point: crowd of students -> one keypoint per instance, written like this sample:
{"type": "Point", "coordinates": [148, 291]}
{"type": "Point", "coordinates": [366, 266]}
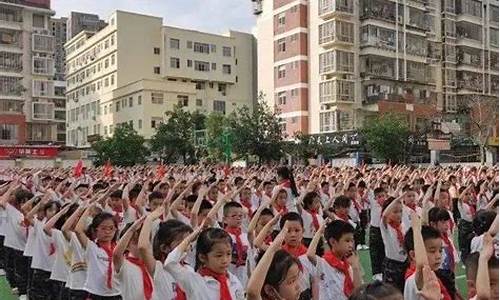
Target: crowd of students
{"type": "Point", "coordinates": [263, 232]}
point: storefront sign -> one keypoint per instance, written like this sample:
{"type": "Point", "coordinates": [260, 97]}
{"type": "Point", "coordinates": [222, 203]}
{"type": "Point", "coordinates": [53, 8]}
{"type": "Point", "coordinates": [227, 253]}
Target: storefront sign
{"type": "Point", "coordinates": [28, 151]}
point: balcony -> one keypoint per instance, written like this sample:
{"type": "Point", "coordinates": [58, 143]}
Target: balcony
{"type": "Point", "coordinates": [470, 81]}
{"type": "Point", "coordinates": [469, 31]}
{"type": "Point", "coordinates": [11, 39]}
{"type": "Point", "coordinates": [419, 72]}
{"type": "Point", "coordinates": [11, 86]}
{"type": "Point", "coordinates": [43, 66]}
{"type": "Point", "coordinates": [378, 67]}
{"type": "Point", "coordinates": [329, 8]}
{"type": "Point", "coordinates": [336, 61]}
{"type": "Point", "coordinates": [378, 37]}
{"type": "Point", "coordinates": [494, 85]}
{"type": "Point", "coordinates": [333, 91]}
{"type": "Point", "coordinates": [418, 19]}
{"type": "Point", "coordinates": [11, 106]}
{"type": "Point", "coordinates": [43, 111]}
{"type": "Point", "coordinates": [11, 18]}
{"type": "Point", "coordinates": [336, 32]}
{"type": "Point", "coordinates": [470, 57]}
{"type": "Point", "coordinates": [11, 62]}
{"type": "Point", "coordinates": [43, 88]}
{"type": "Point", "coordinates": [416, 45]}
{"type": "Point", "coordinates": [379, 9]}
{"type": "Point", "coordinates": [43, 43]}
{"type": "Point", "coordinates": [257, 7]}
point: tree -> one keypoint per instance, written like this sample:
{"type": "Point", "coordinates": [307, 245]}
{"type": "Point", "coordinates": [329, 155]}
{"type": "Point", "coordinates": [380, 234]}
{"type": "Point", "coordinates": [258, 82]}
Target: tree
{"type": "Point", "coordinates": [256, 133]}
{"type": "Point", "coordinates": [304, 148]}
{"type": "Point", "coordinates": [387, 137]}
{"type": "Point", "coordinates": [215, 124]}
{"type": "Point", "coordinates": [125, 148]}
{"type": "Point", "coordinates": [484, 120]}
{"type": "Point", "coordinates": [174, 139]}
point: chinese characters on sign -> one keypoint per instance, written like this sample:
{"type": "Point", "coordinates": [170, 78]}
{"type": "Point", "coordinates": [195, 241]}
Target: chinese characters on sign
{"type": "Point", "coordinates": [28, 151]}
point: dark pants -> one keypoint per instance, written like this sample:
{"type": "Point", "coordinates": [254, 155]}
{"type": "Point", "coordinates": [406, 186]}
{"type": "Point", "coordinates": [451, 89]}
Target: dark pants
{"type": "Point", "coordinates": [10, 271]}
{"type": "Point", "coordinates": [447, 277]}
{"type": "Point", "coordinates": [394, 273]}
{"type": "Point", "coordinates": [2, 251]}
{"type": "Point", "coordinates": [465, 235]}
{"type": "Point", "coordinates": [22, 270]}
{"type": "Point", "coordinates": [364, 218]}
{"type": "Point", "coordinates": [359, 235]}
{"type": "Point", "coordinates": [377, 250]}
{"type": "Point", "coordinates": [77, 295]}
{"type": "Point", "coordinates": [41, 286]}
{"type": "Point", "coordinates": [95, 297]}
{"type": "Point", "coordinates": [59, 291]}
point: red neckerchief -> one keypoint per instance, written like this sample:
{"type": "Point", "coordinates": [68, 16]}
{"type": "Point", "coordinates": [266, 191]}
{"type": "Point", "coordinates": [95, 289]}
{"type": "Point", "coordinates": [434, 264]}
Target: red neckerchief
{"type": "Point", "coordinates": [282, 210]}
{"type": "Point", "coordinates": [117, 211]}
{"type": "Point", "coordinates": [26, 224]}
{"type": "Point", "coordinates": [380, 201]}
{"type": "Point", "coordinates": [179, 293]}
{"type": "Point", "coordinates": [134, 206]}
{"type": "Point", "coordinates": [343, 267]}
{"type": "Point", "coordinates": [314, 215]}
{"type": "Point", "coordinates": [268, 240]}
{"type": "Point", "coordinates": [356, 205]}
{"type": "Point", "coordinates": [286, 183]}
{"type": "Point", "coordinates": [52, 249]}
{"type": "Point", "coordinates": [147, 283]}
{"type": "Point", "coordinates": [444, 292]}
{"type": "Point", "coordinates": [295, 252]}
{"type": "Point", "coordinates": [472, 209]}
{"type": "Point", "coordinates": [449, 249]}
{"type": "Point", "coordinates": [109, 252]}
{"type": "Point", "coordinates": [240, 248]}
{"type": "Point", "coordinates": [399, 231]}
{"type": "Point", "coordinates": [344, 217]}
{"type": "Point", "coordinates": [225, 294]}
{"type": "Point", "coordinates": [412, 206]}
{"type": "Point", "coordinates": [246, 203]}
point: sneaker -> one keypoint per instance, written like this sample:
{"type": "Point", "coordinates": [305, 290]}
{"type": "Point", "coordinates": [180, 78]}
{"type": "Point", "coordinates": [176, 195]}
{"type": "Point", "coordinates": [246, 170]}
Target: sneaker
{"type": "Point", "coordinates": [359, 247]}
{"type": "Point", "coordinates": [15, 291]}
{"type": "Point", "coordinates": [2, 272]}
{"type": "Point", "coordinates": [365, 247]}
{"type": "Point", "coordinates": [377, 277]}
{"type": "Point", "coordinates": [23, 297]}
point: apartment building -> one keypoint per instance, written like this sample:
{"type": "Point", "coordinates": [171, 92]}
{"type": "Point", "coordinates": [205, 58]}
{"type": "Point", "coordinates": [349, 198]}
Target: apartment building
{"type": "Point", "coordinates": [337, 62]}
{"type": "Point", "coordinates": [135, 69]}
{"type": "Point", "coordinates": [28, 102]}
{"type": "Point", "coordinates": [57, 28]}
{"type": "Point", "coordinates": [78, 22]}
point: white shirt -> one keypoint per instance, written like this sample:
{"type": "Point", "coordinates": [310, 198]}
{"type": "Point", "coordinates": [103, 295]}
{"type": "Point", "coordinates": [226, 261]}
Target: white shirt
{"type": "Point", "coordinates": [42, 259]}
{"type": "Point", "coordinates": [199, 287]}
{"type": "Point", "coordinates": [30, 241]}
{"type": "Point", "coordinates": [307, 218]}
{"type": "Point", "coordinates": [406, 218]}
{"type": "Point", "coordinates": [97, 270]}
{"type": "Point", "coordinates": [15, 233]}
{"type": "Point", "coordinates": [62, 262]}
{"type": "Point", "coordinates": [411, 290]}
{"type": "Point", "coordinates": [465, 212]}
{"type": "Point", "coordinates": [164, 284]}
{"type": "Point", "coordinates": [78, 269]}
{"type": "Point", "coordinates": [131, 281]}
{"type": "Point", "coordinates": [241, 272]}
{"type": "Point", "coordinates": [3, 222]}
{"type": "Point", "coordinates": [375, 210]}
{"type": "Point", "coordinates": [331, 280]}
{"type": "Point", "coordinates": [393, 249]}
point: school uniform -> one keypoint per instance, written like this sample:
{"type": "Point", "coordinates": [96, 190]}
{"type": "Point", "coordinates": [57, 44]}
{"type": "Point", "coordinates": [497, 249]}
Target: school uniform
{"type": "Point", "coordinates": [465, 229]}
{"type": "Point", "coordinates": [42, 263]}
{"type": "Point", "coordinates": [78, 269]}
{"type": "Point", "coordinates": [3, 223]}
{"type": "Point", "coordinates": [197, 286]}
{"type": "Point", "coordinates": [377, 247]}
{"type": "Point", "coordinates": [238, 266]}
{"type": "Point", "coordinates": [407, 212]}
{"type": "Point", "coordinates": [312, 221]}
{"type": "Point", "coordinates": [135, 281]}
{"type": "Point", "coordinates": [100, 282]}
{"type": "Point", "coordinates": [332, 281]}
{"type": "Point", "coordinates": [394, 264]}
{"type": "Point", "coordinates": [354, 214]}
{"type": "Point", "coordinates": [411, 291]}
{"type": "Point", "coordinates": [165, 286]}
{"type": "Point", "coordinates": [62, 262]}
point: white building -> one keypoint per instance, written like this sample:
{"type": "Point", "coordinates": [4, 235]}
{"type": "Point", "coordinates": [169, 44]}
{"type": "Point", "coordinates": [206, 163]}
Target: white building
{"type": "Point", "coordinates": [135, 69]}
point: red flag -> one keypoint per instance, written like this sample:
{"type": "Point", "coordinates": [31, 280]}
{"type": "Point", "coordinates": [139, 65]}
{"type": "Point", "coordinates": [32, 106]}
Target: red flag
{"type": "Point", "coordinates": [160, 171]}
{"type": "Point", "coordinates": [108, 169]}
{"type": "Point", "coordinates": [78, 169]}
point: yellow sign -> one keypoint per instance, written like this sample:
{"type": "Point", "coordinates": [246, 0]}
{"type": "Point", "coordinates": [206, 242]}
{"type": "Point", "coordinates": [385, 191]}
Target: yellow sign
{"type": "Point", "coordinates": [493, 141]}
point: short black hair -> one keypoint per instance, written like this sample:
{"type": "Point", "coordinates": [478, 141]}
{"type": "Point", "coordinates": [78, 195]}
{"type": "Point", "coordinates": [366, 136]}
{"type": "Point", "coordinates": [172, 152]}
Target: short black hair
{"type": "Point", "coordinates": [22, 196]}
{"type": "Point", "coordinates": [265, 212]}
{"type": "Point", "coordinates": [291, 216]}
{"type": "Point", "coordinates": [309, 199]}
{"type": "Point", "coordinates": [428, 233]}
{"type": "Point", "coordinates": [342, 202]}
{"type": "Point", "coordinates": [155, 195]}
{"type": "Point", "coordinates": [378, 190]}
{"type": "Point", "coordinates": [191, 198]}
{"type": "Point", "coordinates": [116, 194]}
{"type": "Point", "coordinates": [229, 205]}
{"type": "Point", "coordinates": [336, 229]}
{"type": "Point", "coordinates": [483, 220]}
{"type": "Point", "coordinates": [324, 183]}
{"type": "Point", "coordinates": [437, 214]}
{"type": "Point", "coordinates": [205, 204]}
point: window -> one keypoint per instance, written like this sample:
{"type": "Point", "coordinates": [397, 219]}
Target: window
{"type": "Point", "coordinates": [139, 100]}
{"type": "Point", "coordinates": [199, 102]}
{"type": "Point", "coordinates": [226, 51]}
{"type": "Point", "coordinates": [112, 39]}
{"type": "Point", "coordinates": [105, 130]}
{"type": "Point", "coordinates": [189, 63]}
{"type": "Point", "coordinates": [106, 44]}
{"type": "Point", "coordinates": [156, 50]}
{"type": "Point", "coordinates": [200, 85]}
{"type": "Point", "coordinates": [175, 63]}
{"type": "Point", "coordinates": [117, 104]}
{"type": "Point", "coordinates": [105, 109]}
{"type": "Point", "coordinates": [156, 121]}
{"type": "Point", "coordinates": [294, 92]}
{"type": "Point", "coordinates": [174, 44]}
{"type": "Point", "coordinates": [281, 19]}
{"type": "Point", "coordinates": [281, 98]}
{"type": "Point", "coordinates": [281, 45]}
{"type": "Point", "coordinates": [112, 79]}
{"type": "Point", "coordinates": [201, 48]}
{"type": "Point", "coordinates": [294, 120]}
{"type": "Point", "coordinates": [124, 102]}
{"type": "Point", "coordinates": [38, 21]}
{"type": "Point", "coordinates": [139, 124]}
{"type": "Point", "coordinates": [226, 69]}
{"type": "Point", "coordinates": [156, 70]}
{"type": "Point", "coordinates": [281, 71]}
{"type": "Point", "coordinates": [106, 63]}
{"type": "Point", "coordinates": [157, 98]}
{"type": "Point", "coordinates": [214, 66]}
{"type": "Point", "coordinates": [222, 88]}
{"type": "Point", "coordinates": [182, 100]}
{"type": "Point", "coordinates": [106, 82]}
{"type": "Point", "coordinates": [201, 66]}
{"type": "Point", "coordinates": [112, 59]}
{"type": "Point", "coordinates": [220, 106]}
{"type": "Point", "coordinates": [131, 123]}
{"type": "Point", "coordinates": [213, 48]}
{"type": "Point", "coordinates": [130, 101]}
{"type": "Point", "coordinates": [189, 44]}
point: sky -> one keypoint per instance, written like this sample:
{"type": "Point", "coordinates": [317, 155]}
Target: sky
{"type": "Point", "coordinates": [214, 16]}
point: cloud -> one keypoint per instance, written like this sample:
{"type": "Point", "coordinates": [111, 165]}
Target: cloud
{"type": "Point", "coordinates": [216, 16]}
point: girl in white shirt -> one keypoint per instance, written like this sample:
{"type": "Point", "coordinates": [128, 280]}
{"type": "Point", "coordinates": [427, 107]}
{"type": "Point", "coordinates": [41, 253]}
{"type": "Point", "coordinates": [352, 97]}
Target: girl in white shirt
{"type": "Point", "coordinates": [169, 235]}
{"type": "Point", "coordinates": [311, 213]}
{"type": "Point", "coordinates": [98, 249]}
{"type": "Point", "coordinates": [212, 281]}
